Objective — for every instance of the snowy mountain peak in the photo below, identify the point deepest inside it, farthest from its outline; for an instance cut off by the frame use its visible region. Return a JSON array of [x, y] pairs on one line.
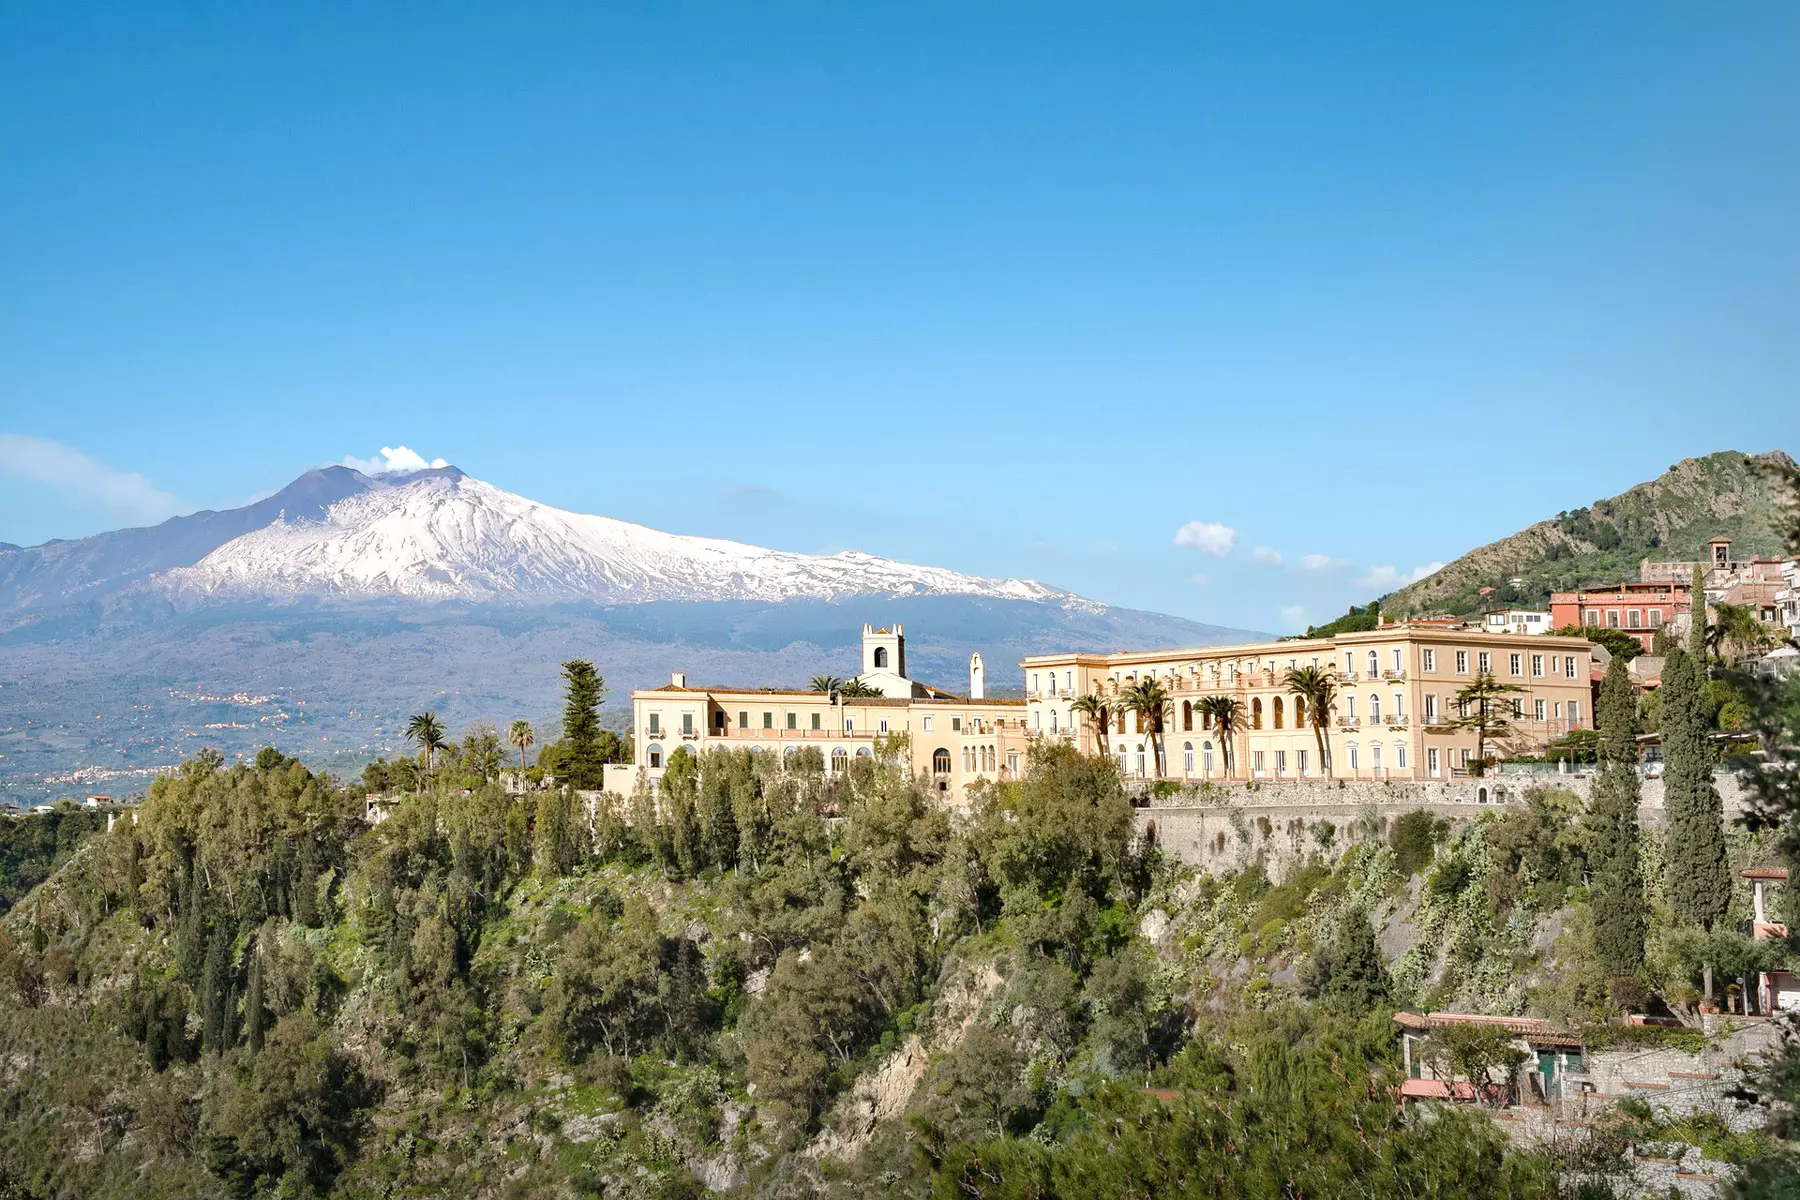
[[439, 534]]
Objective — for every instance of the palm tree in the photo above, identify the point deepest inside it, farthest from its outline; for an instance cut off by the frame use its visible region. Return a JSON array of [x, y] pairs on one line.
[[1318, 690], [428, 731], [1735, 629], [1093, 706], [856, 689], [521, 735], [827, 684], [1227, 713], [1149, 699]]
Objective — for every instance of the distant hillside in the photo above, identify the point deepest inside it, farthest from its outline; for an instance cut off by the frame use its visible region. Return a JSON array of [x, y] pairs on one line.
[[1669, 518]]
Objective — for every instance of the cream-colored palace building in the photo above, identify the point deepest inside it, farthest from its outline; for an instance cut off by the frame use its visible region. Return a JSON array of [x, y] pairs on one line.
[[1395, 690], [954, 740]]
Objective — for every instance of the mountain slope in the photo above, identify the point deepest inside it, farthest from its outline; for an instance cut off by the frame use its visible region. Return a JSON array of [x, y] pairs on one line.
[[94, 568], [441, 535], [1669, 518]]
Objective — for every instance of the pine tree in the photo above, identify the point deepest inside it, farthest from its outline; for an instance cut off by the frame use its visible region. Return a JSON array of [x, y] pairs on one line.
[[582, 762], [1620, 916], [1699, 877]]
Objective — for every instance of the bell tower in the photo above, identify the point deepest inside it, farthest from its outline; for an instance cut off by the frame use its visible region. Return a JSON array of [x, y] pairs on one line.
[[977, 677], [883, 650]]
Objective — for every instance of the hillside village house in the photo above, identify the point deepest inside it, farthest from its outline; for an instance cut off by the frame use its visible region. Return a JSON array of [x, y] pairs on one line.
[[1396, 688], [1639, 608], [1662, 590], [954, 740]]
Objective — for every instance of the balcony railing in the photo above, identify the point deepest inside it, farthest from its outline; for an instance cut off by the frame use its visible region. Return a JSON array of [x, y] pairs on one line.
[[1348, 722], [1398, 673]]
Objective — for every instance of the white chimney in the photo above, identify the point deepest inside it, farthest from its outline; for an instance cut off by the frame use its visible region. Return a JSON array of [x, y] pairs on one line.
[[975, 680], [678, 678]]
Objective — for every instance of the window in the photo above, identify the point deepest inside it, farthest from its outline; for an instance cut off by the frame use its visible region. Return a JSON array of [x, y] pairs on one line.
[[743, 719], [1069, 682], [1399, 705], [1429, 659], [1281, 764], [1540, 709], [1349, 662], [1634, 619], [655, 722], [956, 724], [1256, 713], [882, 726], [1140, 760], [1517, 664], [1375, 757], [1656, 618], [1399, 659], [1484, 663], [1256, 763], [1012, 763], [1592, 617], [1612, 618], [1462, 662], [926, 724], [1569, 666], [1374, 708], [1350, 708], [849, 724], [655, 758], [940, 761], [1374, 663], [1518, 709], [1053, 683], [1300, 763], [1353, 757], [881, 661], [1575, 714], [1187, 758], [816, 718], [1206, 758], [1299, 712], [1431, 706], [1537, 666], [1431, 761], [1037, 719], [840, 761], [1053, 720], [1278, 712], [687, 724], [1187, 716], [1400, 756], [768, 720], [793, 720]]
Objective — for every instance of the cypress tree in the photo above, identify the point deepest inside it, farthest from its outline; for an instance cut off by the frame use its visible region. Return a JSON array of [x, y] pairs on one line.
[[582, 761], [1349, 977], [1699, 878], [253, 1004], [306, 893], [1620, 917], [1697, 618], [214, 983]]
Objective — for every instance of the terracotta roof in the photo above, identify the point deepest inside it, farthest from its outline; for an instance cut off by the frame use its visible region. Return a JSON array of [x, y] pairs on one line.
[[1764, 873], [1532, 1029]]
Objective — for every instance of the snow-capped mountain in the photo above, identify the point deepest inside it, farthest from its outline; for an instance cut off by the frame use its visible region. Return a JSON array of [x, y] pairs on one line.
[[443, 535]]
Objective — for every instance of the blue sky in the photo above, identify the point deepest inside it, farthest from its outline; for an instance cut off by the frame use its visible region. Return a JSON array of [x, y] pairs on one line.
[[1016, 289]]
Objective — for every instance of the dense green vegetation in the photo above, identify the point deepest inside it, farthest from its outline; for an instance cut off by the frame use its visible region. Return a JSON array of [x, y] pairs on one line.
[[33, 846]]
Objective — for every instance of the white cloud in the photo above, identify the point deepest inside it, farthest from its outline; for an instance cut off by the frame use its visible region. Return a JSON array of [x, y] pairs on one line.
[[393, 458], [1322, 562], [1293, 615], [1200, 580], [69, 470], [1208, 537], [1389, 577], [1266, 556]]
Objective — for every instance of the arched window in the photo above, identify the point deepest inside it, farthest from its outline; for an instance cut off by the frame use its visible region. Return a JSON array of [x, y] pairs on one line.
[[1187, 758], [655, 758], [1278, 712], [880, 657], [1205, 719], [1123, 768], [840, 761], [1299, 712], [861, 751], [1374, 664], [1374, 708], [1187, 717], [940, 761], [1256, 713], [1053, 720], [1206, 758], [1140, 760]]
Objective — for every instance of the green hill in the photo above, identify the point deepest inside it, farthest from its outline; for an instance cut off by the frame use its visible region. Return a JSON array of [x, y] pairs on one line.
[[1669, 518]]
